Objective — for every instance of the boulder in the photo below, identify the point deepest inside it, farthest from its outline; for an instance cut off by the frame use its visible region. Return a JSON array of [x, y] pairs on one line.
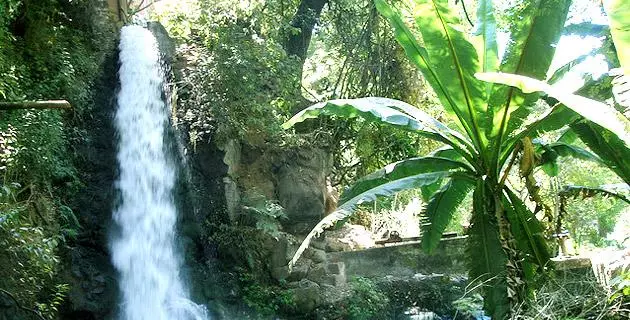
[[301, 187], [317, 255], [305, 296]]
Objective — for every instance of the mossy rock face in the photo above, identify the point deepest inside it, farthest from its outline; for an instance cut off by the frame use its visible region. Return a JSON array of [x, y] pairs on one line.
[[301, 187], [306, 296]]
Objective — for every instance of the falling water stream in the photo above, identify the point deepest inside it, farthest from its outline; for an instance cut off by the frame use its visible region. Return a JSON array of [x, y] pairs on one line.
[[144, 250]]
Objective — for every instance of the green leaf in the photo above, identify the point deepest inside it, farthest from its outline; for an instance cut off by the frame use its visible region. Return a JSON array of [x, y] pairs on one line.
[[619, 13], [568, 136], [566, 150], [554, 119], [456, 61], [530, 52], [486, 256], [486, 28], [440, 210], [586, 29], [527, 231], [399, 170], [595, 111], [383, 110], [424, 117], [564, 69], [419, 56], [620, 192], [387, 188], [607, 145], [444, 152]]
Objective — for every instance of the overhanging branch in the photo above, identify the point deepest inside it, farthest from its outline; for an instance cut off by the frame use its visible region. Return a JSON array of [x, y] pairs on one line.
[[48, 104]]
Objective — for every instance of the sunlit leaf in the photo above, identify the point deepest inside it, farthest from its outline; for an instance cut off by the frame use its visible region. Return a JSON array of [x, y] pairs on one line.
[[619, 14], [595, 111]]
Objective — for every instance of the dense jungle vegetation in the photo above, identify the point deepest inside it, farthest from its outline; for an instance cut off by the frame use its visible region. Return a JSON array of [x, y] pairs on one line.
[[48, 50], [480, 119]]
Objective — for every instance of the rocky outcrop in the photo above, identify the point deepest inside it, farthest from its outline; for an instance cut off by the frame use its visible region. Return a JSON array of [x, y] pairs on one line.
[[296, 178], [301, 187], [93, 288]]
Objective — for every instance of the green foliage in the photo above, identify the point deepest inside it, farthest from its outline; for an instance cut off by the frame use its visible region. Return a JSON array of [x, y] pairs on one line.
[[491, 119], [469, 306], [443, 205], [237, 82], [30, 237], [266, 299], [266, 213], [366, 300], [619, 24], [51, 49], [621, 289], [570, 296]]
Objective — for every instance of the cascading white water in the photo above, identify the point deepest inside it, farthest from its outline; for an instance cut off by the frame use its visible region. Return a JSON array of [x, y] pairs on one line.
[[144, 251]]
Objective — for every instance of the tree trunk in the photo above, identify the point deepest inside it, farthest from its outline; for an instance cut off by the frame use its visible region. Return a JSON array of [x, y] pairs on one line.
[[297, 43], [304, 19], [50, 104]]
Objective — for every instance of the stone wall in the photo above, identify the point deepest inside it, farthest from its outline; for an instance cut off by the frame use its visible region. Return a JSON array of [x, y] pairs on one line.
[[323, 279], [404, 259]]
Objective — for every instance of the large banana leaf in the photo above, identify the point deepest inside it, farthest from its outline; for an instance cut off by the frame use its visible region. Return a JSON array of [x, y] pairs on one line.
[[527, 231], [531, 50], [567, 150], [441, 208], [550, 153], [419, 56], [346, 208], [399, 170], [424, 117], [619, 13], [444, 152], [486, 30], [384, 110], [620, 192], [456, 60], [594, 111], [564, 69], [486, 256], [608, 146]]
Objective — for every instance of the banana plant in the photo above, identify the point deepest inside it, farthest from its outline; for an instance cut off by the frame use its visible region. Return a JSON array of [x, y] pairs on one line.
[[506, 247]]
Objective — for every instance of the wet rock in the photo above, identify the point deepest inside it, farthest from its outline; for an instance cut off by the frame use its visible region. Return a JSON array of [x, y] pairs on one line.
[[316, 273], [299, 272], [335, 280], [317, 255], [306, 296], [279, 251], [280, 273], [165, 42], [331, 295]]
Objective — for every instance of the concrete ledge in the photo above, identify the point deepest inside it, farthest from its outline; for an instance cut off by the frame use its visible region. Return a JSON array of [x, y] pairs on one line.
[[405, 259]]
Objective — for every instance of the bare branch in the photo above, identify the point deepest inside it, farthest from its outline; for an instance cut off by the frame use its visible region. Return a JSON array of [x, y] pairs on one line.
[[48, 104]]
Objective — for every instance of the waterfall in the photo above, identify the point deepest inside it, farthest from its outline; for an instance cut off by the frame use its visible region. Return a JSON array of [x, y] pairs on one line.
[[144, 250]]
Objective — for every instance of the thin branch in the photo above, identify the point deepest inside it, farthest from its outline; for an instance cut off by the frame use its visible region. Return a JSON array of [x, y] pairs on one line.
[[48, 104], [17, 304], [466, 13]]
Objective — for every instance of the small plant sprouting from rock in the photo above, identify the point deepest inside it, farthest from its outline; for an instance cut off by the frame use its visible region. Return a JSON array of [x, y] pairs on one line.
[[266, 213]]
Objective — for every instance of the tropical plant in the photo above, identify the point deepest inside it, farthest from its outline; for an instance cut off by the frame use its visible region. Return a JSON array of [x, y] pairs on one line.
[[507, 249]]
